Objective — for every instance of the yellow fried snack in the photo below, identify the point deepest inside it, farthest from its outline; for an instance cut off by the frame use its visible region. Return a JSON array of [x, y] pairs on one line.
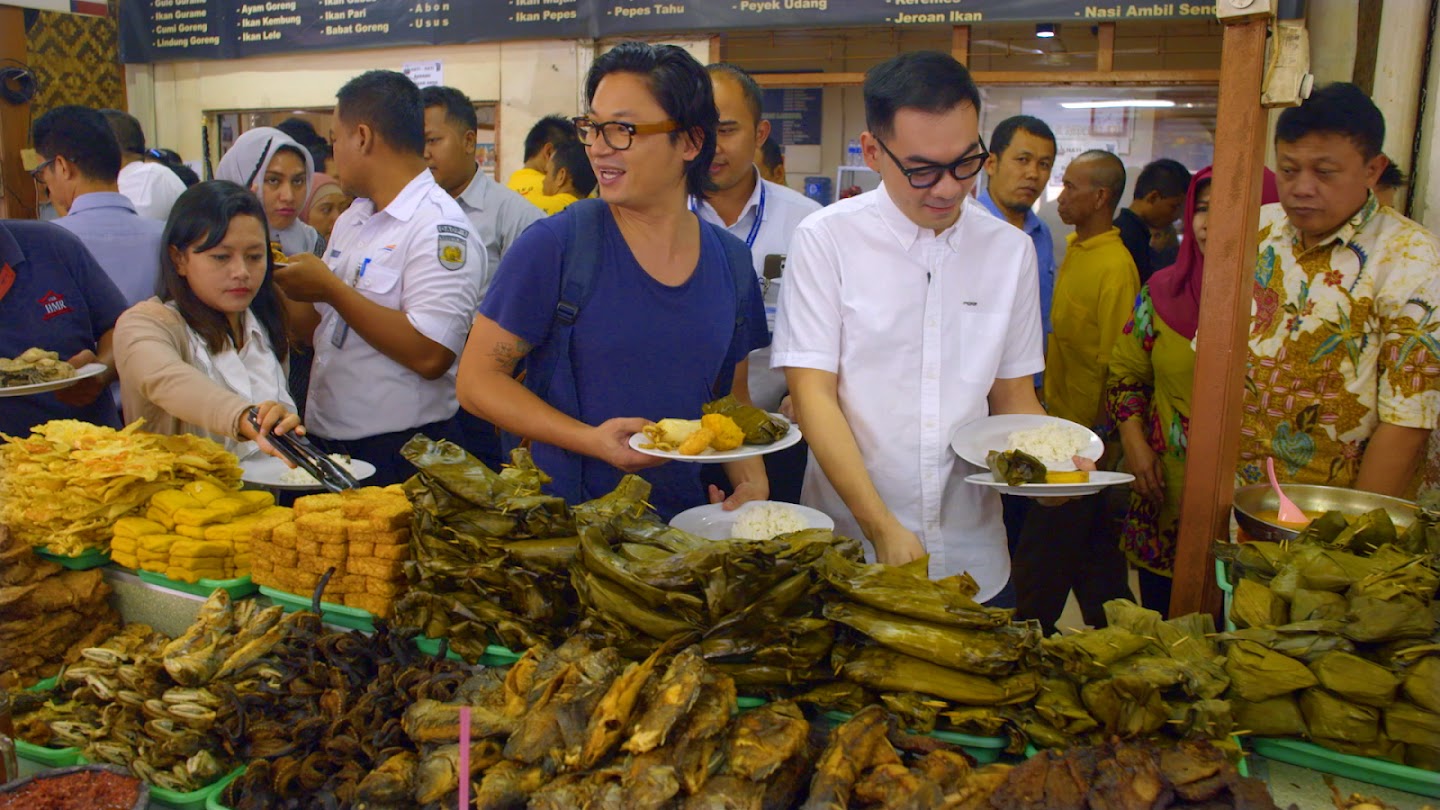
[[1071, 477], [728, 435], [204, 491], [277, 254], [698, 442], [668, 434], [137, 527]]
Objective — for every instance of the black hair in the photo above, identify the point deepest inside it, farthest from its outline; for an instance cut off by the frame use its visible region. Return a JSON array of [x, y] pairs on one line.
[[754, 98], [770, 154], [681, 87], [301, 131], [198, 222], [171, 160], [572, 157], [127, 130], [319, 153], [1169, 177], [1340, 108], [1392, 177], [458, 108], [552, 130], [81, 135], [1005, 132], [294, 149], [389, 103], [928, 81], [1109, 174]]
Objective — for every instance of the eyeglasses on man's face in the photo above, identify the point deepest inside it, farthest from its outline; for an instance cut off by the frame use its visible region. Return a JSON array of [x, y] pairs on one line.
[[37, 174], [930, 174], [618, 135]]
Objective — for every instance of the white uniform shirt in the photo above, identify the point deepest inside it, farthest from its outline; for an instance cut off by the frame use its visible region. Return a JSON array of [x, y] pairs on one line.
[[253, 372], [498, 214], [784, 209], [418, 256], [152, 187], [918, 327]]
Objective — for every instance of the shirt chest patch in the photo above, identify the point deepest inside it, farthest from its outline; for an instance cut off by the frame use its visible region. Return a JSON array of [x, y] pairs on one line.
[[52, 305]]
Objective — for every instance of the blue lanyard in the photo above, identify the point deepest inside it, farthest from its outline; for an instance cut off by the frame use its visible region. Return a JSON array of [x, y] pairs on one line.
[[754, 226]]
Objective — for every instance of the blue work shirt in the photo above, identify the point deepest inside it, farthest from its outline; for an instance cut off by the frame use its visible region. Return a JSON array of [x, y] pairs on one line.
[[638, 347], [60, 301], [126, 245], [1039, 233]]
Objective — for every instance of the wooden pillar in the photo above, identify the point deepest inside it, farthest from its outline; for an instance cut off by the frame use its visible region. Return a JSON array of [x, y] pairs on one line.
[[1105, 56], [17, 201], [1222, 351], [960, 44]]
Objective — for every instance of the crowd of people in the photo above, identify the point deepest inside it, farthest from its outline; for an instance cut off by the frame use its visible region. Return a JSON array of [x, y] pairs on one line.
[[377, 284]]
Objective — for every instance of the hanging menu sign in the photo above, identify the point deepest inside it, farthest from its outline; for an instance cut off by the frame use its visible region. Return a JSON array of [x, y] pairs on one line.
[[159, 30]]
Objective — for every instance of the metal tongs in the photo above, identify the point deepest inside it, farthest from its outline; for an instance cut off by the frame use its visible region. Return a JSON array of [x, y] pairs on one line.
[[303, 454]]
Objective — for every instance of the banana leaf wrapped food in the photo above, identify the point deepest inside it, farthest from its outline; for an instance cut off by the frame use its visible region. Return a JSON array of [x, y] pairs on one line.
[[1059, 705], [905, 590], [1422, 682], [1276, 717], [1323, 530], [1254, 605], [759, 427], [1412, 725], [1366, 533], [1015, 467], [1126, 705], [1331, 717], [1355, 679], [996, 651], [1373, 619], [1257, 673], [1303, 640], [1089, 655], [1423, 536], [888, 671], [1307, 605]]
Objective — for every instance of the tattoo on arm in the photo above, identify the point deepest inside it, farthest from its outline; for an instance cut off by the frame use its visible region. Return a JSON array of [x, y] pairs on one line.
[[508, 354]]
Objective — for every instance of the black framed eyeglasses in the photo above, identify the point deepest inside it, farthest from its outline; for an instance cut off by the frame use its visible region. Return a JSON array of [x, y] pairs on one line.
[[39, 170], [929, 175], [618, 135]]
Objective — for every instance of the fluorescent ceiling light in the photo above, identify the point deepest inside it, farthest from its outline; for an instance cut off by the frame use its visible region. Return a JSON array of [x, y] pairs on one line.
[[1045, 30], [1124, 102]]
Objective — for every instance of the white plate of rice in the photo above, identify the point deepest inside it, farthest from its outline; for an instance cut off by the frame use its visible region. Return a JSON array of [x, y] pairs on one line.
[[269, 471], [1049, 438], [759, 520]]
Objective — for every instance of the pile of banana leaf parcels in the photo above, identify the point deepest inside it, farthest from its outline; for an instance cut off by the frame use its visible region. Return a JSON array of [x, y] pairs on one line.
[[1336, 637], [799, 617]]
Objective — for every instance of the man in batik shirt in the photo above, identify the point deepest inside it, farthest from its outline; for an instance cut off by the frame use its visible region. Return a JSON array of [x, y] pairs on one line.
[[1344, 374]]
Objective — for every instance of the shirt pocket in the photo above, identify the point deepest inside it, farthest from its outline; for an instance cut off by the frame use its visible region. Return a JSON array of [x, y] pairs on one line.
[[981, 343], [381, 284]]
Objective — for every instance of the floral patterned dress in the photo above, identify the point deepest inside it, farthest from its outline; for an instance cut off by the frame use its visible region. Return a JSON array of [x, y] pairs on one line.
[[1342, 338], [1152, 368]]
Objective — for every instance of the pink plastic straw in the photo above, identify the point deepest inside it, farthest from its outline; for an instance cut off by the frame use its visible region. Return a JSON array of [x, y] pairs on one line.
[[464, 758]]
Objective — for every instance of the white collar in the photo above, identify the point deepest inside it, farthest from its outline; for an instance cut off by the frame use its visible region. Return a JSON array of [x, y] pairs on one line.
[[750, 204], [906, 232]]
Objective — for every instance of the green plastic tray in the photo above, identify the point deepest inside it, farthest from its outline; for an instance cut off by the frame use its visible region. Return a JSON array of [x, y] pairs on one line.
[[330, 613], [744, 702], [49, 757], [494, 655], [194, 800], [237, 588], [1365, 769], [91, 558], [983, 749]]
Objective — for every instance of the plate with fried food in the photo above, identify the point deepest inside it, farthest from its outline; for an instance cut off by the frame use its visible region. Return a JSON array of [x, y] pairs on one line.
[[727, 431], [37, 371]]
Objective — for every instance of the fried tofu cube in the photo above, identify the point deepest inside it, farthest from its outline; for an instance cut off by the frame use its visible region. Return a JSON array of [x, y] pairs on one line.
[[378, 606], [392, 513], [361, 549], [169, 501], [385, 588], [335, 552], [137, 527], [312, 504], [284, 536], [371, 567], [160, 517], [258, 500], [391, 552], [321, 524], [306, 547], [205, 491]]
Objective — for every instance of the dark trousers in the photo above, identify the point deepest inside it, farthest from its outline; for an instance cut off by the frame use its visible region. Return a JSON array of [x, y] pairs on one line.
[[1015, 508], [1155, 591], [383, 450], [785, 470], [1073, 546]]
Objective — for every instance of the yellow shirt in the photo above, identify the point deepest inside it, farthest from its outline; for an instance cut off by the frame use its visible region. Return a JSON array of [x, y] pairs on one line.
[[553, 203], [527, 182], [1095, 292]]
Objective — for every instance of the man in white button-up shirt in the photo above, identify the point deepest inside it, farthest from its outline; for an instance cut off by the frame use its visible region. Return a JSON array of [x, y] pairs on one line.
[[907, 312], [396, 291]]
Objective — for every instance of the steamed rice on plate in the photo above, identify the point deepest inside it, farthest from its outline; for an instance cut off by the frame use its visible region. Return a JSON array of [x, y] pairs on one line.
[[762, 521], [1054, 444], [298, 476]]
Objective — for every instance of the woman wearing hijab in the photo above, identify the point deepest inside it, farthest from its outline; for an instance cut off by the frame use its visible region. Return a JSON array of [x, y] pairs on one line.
[[327, 202], [1152, 371], [280, 172]]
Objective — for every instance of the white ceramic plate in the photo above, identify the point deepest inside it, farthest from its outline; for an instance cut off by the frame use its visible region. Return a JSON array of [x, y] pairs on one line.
[[975, 440], [712, 522], [711, 457], [87, 370], [1098, 481], [265, 471]]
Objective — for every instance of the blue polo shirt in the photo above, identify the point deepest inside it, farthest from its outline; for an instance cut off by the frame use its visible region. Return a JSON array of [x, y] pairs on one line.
[[1039, 233], [126, 245], [638, 347], [61, 301]]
